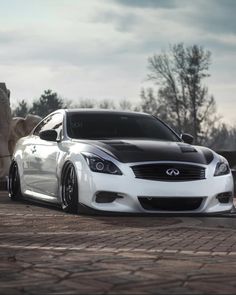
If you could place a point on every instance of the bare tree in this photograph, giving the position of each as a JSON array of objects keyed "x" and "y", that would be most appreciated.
[
  {"x": 149, "y": 103},
  {"x": 179, "y": 73},
  {"x": 125, "y": 105},
  {"x": 84, "y": 104},
  {"x": 106, "y": 104},
  {"x": 224, "y": 138},
  {"x": 21, "y": 110}
]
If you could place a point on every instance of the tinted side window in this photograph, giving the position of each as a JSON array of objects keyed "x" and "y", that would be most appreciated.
[{"x": 51, "y": 122}]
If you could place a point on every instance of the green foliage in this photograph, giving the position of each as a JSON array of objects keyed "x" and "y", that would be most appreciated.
[
  {"x": 21, "y": 110},
  {"x": 48, "y": 102}
]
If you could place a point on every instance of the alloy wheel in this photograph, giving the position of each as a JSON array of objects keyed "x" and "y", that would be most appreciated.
[
  {"x": 69, "y": 189},
  {"x": 14, "y": 182}
]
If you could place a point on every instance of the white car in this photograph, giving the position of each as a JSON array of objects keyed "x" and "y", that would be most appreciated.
[{"x": 118, "y": 162}]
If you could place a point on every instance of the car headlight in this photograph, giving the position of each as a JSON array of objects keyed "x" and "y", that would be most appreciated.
[
  {"x": 222, "y": 168},
  {"x": 100, "y": 165}
]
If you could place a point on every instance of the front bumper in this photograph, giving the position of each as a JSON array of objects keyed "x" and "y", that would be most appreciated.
[{"x": 130, "y": 189}]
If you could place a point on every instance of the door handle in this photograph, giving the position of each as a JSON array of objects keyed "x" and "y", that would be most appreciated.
[{"x": 33, "y": 150}]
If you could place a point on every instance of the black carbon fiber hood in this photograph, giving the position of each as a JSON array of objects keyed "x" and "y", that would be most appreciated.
[{"x": 128, "y": 151}]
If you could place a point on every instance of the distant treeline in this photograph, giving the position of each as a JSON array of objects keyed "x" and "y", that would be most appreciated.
[{"x": 179, "y": 97}]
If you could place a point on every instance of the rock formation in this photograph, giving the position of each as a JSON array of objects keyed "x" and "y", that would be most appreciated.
[
  {"x": 11, "y": 129},
  {"x": 21, "y": 127},
  {"x": 5, "y": 122}
]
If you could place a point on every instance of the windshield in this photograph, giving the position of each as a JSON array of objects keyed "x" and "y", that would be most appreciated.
[{"x": 117, "y": 126}]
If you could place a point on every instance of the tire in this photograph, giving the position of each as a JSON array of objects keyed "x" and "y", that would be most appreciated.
[
  {"x": 69, "y": 189},
  {"x": 14, "y": 182}
]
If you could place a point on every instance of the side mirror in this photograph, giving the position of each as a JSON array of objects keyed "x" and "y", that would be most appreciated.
[
  {"x": 49, "y": 135},
  {"x": 187, "y": 138}
]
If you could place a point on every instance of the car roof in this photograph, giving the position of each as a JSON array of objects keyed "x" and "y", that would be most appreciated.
[{"x": 105, "y": 112}]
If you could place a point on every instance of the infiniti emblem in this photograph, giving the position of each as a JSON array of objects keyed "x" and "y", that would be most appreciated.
[{"x": 172, "y": 172}]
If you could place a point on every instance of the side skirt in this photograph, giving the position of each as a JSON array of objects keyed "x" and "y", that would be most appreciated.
[{"x": 40, "y": 197}]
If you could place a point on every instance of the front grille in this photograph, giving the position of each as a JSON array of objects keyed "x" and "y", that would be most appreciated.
[
  {"x": 170, "y": 204},
  {"x": 169, "y": 172}
]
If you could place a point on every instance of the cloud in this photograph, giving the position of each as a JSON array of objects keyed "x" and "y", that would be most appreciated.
[
  {"x": 149, "y": 3},
  {"x": 11, "y": 36},
  {"x": 99, "y": 48},
  {"x": 217, "y": 17},
  {"x": 122, "y": 21}
]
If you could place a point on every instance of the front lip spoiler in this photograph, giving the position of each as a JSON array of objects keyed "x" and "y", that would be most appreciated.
[{"x": 92, "y": 211}]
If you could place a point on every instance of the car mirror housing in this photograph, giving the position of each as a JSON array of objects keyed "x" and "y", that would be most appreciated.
[
  {"x": 187, "y": 138},
  {"x": 49, "y": 135}
]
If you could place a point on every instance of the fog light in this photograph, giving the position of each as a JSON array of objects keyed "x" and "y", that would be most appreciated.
[
  {"x": 224, "y": 197},
  {"x": 107, "y": 197}
]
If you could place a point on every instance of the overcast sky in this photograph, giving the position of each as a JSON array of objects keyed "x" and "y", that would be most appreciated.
[{"x": 99, "y": 48}]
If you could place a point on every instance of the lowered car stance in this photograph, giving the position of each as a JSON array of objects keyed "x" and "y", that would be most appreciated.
[{"x": 112, "y": 161}]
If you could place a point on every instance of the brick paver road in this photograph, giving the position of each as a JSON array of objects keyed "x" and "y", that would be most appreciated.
[{"x": 45, "y": 251}]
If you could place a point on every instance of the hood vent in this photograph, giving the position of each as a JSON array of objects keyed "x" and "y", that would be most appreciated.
[
  {"x": 122, "y": 146},
  {"x": 186, "y": 148}
]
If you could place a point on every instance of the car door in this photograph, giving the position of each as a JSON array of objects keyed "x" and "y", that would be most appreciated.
[
  {"x": 29, "y": 150},
  {"x": 44, "y": 158}
]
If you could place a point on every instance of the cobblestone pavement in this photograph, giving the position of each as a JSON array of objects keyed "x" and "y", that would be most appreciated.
[{"x": 45, "y": 251}]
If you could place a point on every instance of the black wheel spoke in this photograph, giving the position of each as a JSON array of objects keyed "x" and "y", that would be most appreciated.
[
  {"x": 69, "y": 189},
  {"x": 14, "y": 182}
]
